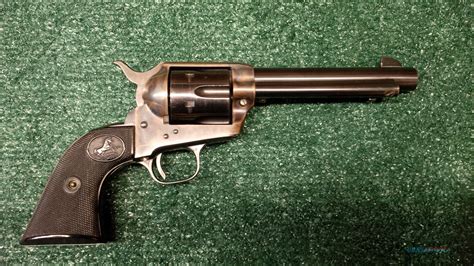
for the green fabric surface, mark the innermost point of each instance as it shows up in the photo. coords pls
(304, 183)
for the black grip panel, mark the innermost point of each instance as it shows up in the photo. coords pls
(68, 211)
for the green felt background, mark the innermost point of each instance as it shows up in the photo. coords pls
(312, 183)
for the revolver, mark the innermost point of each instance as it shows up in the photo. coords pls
(184, 106)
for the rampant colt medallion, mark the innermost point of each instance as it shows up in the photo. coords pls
(105, 148)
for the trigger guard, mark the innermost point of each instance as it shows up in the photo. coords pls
(161, 178)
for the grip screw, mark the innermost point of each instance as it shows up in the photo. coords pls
(72, 184)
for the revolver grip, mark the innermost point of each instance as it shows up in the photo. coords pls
(68, 211)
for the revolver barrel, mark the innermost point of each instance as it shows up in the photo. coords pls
(337, 83)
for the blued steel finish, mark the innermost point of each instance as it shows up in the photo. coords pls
(184, 106)
(156, 131)
(387, 80)
(358, 89)
(200, 96)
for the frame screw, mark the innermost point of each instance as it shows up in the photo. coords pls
(175, 131)
(166, 136)
(143, 124)
(243, 102)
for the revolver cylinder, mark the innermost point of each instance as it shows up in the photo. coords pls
(200, 96)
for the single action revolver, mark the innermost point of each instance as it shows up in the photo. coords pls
(184, 106)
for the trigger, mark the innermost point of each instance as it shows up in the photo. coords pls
(195, 149)
(160, 168)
